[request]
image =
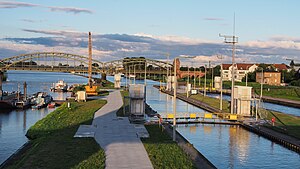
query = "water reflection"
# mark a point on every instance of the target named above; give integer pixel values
(233, 147)
(14, 124)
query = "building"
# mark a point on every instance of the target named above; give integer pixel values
(241, 70)
(270, 78)
(295, 66)
(281, 67)
(183, 74)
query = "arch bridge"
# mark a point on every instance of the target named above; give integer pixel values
(72, 63)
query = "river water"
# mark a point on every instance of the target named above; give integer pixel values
(224, 146)
(14, 124)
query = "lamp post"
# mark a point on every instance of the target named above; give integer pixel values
(221, 82)
(261, 83)
(204, 81)
(188, 82)
(175, 93)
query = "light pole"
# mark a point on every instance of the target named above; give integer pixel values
(175, 93)
(188, 82)
(204, 81)
(221, 82)
(261, 83)
(145, 73)
(247, 71)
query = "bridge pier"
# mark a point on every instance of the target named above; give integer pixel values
(103, 76)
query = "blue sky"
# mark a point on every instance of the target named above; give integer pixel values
(266, 29)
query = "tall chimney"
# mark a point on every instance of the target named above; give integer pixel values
(90, 60)
(25, 90)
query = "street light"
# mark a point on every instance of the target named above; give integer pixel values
(221, 83)
(175, 93)
(204, 80)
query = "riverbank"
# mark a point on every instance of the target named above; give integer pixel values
(285, 132)
(52, 144)
(281, 101)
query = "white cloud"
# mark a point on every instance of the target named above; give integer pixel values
(273, 44)
(15, 4)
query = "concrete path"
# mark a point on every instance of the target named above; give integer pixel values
(119, 138)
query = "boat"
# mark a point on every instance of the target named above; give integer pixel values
(41, 100)
(7, 100)
(60, 86)
(22, 104)
(51, 105)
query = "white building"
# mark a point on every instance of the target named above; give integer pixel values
(241, 70)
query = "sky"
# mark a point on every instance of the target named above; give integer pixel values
(267, 30)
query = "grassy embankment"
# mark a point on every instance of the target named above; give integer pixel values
(284, 92)
(162, 151)
(214, 102)
(287, 124)
(52, 144)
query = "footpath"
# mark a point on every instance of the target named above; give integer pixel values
(118, 137)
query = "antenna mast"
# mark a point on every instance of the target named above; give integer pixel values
(232, 40)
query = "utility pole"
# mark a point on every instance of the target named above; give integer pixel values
(232, 40)
(90, 60)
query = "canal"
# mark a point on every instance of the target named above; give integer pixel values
(225, 146)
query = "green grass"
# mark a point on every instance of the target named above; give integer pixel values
(285, 123)
(53, 145)
(120, 112)
(163, 152)
(108, 85)
(214, 102)
(284, 93)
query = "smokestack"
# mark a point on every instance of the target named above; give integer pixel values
(25, 90)
(90, 59)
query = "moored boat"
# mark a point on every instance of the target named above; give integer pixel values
(42, 100)
(60, 86)
(51, 105)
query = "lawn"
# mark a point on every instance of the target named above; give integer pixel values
(120, 112)
(52, 142)
(163, 152)
(285, 123)
(214, 102)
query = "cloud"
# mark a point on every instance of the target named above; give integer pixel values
(70, 10)
(31, 20)
(213, 19)
(108, 47)
(12, 4)
(56, 32)
(15, 4)
(284, 38)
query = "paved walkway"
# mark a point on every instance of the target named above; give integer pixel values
(119, 139)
